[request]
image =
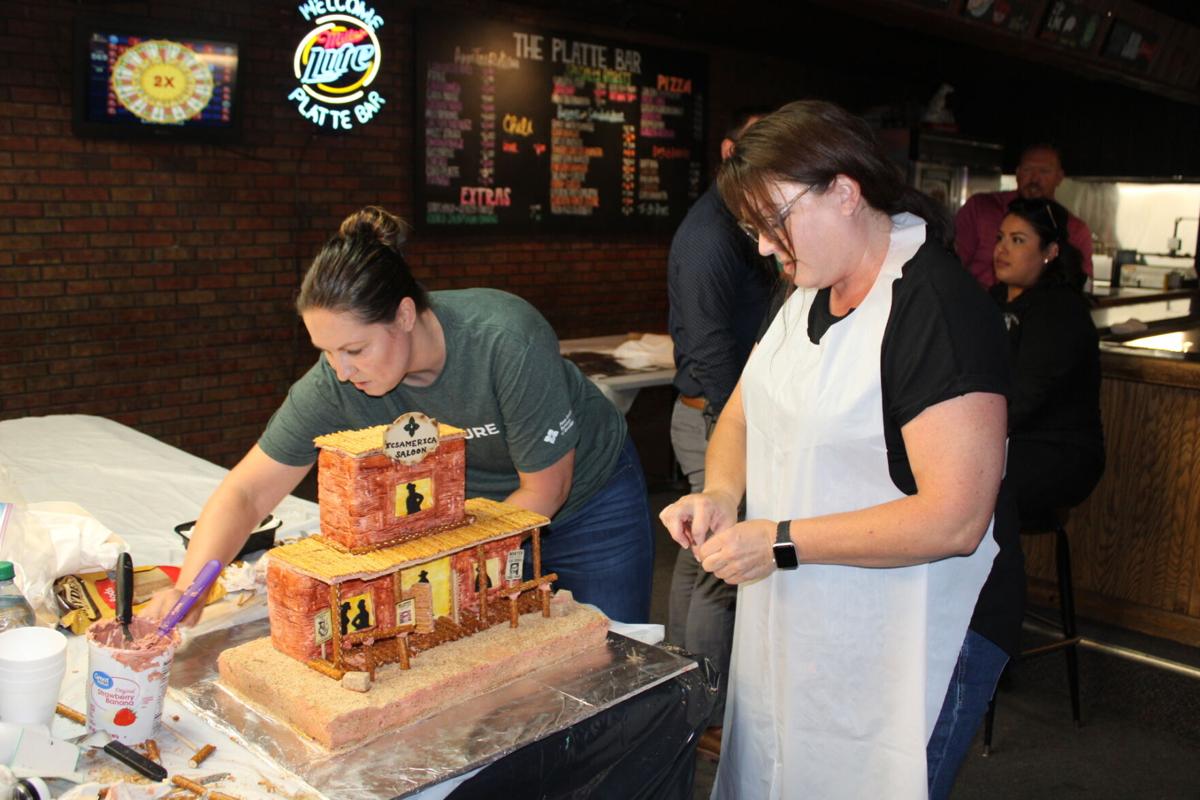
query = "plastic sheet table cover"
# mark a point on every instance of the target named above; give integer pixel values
(136, 486)
(617, 721)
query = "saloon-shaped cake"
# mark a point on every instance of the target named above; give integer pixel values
(402, 565)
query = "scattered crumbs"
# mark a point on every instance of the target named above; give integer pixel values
(270, 787)
(109, 775)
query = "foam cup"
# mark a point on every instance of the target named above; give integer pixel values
(32, 666)
(22, 648)
(34, 672)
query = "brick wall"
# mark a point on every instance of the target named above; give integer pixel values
(151, 282)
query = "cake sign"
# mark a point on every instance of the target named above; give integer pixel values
(406, 612)
(514, 562)
(410, 438)
(323, 626)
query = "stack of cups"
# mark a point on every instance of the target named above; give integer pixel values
(32, 664)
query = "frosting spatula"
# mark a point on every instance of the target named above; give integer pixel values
(125, 593)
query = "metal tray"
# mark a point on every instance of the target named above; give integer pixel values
(455, 741)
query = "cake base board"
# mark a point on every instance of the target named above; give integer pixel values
(338, 718)
(451, 744)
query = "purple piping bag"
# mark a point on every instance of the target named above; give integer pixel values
(200, 586)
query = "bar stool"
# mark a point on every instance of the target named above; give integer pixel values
(1051, 522)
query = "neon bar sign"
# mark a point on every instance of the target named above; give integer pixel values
(335, 62)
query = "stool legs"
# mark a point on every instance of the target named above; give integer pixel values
(1070, 636)
(1066, 601)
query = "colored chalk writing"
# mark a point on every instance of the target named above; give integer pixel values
(524, 129)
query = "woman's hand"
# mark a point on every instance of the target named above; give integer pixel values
(247, 494)
(744, 552)
(692, 518)
(161, 603)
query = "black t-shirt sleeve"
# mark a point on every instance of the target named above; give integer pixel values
(944, 338)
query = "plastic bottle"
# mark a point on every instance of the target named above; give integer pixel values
(14, 788)
(31, 789)
(15, 611)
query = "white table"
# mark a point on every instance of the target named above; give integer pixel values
(141, 488)
(619, 387)
(136, 486)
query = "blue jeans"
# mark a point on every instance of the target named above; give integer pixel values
(604, 552)
(972, 685)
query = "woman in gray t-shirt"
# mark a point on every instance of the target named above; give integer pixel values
(540, 435)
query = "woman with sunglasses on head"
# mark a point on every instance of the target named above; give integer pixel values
(867, 434)
(1056, 442)
(541, 436)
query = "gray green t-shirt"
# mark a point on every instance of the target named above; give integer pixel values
(522, 404)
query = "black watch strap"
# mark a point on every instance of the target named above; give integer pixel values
(785, 549)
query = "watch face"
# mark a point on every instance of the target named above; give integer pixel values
(785, 556)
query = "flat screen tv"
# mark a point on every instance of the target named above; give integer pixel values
(142, 78)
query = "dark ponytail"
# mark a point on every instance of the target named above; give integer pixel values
(361, 269)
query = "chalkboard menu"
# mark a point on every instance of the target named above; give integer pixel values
(524, 129)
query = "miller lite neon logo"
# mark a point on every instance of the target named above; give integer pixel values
(335, 62)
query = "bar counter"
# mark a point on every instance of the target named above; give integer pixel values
(1135, 543)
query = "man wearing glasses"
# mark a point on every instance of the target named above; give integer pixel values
(719, 288)
(978, 222)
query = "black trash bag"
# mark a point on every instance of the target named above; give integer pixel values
(640, 749)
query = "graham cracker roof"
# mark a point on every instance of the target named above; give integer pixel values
(493, 521)
(365, 441)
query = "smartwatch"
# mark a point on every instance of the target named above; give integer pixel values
(785, 548)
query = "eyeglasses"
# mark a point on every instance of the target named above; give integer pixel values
(780, 217)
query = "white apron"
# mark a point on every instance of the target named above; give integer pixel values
(838, 672)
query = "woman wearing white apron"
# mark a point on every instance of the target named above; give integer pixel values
(870, 448)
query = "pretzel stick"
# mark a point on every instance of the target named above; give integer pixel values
(70, 713)
(190, 785)
(204, 752)
(199, 788)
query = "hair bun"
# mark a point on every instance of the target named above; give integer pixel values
(375, 223)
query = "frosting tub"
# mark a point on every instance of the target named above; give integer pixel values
(127, 680)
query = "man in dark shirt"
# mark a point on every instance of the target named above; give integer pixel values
(718, 287)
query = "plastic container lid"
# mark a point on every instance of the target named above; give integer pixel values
(6, 571)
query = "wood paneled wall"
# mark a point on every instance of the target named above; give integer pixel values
(1135, 543)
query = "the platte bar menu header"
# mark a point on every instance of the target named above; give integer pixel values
(521, 129)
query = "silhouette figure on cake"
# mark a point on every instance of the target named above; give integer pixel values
(413, 501)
